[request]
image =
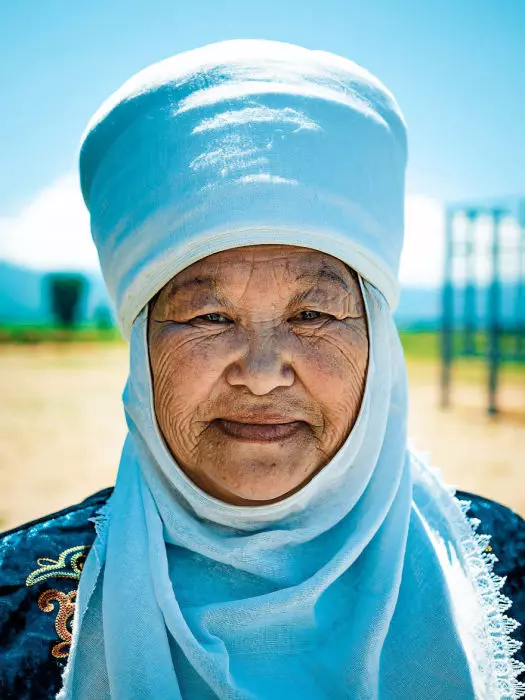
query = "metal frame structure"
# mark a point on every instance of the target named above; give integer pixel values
(483, 316)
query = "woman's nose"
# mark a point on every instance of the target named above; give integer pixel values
(262, 367)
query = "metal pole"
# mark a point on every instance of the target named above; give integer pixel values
(520, 296)
(494, 324)
(469, 300)
(447, 315)
(520, 301)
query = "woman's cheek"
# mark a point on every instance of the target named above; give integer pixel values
(195, 365)
(327, 358)
(333, 369)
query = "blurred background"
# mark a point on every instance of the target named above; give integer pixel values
(457, 70)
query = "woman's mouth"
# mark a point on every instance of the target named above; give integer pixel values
(258, 432)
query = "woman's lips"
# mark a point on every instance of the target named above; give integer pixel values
(258, 432)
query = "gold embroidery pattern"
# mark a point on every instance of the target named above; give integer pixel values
(66, 608)
(68, 565)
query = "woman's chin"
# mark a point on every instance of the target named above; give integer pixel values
(254, 485)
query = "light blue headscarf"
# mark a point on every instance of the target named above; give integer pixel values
(369, 583)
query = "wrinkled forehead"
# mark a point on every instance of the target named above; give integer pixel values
(265, 269)
(291, 261)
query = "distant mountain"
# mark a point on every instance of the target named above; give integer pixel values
(419, 308)
(21, 299)
(24, 301)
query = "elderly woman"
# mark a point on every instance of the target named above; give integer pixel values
(270, 534)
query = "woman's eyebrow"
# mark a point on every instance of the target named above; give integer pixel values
(202, 283)
(326, 274)
(316, 292)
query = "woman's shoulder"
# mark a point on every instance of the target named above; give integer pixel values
(40, 566)
(507, 531)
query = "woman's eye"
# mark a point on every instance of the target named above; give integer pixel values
(212, 318)
(310, 315)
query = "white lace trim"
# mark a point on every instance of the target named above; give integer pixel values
(480, 561)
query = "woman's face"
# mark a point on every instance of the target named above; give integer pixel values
(258, 358)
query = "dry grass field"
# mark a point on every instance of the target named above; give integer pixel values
(62, 427)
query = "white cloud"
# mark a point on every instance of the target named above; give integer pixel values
(52, 233)
(422, 259)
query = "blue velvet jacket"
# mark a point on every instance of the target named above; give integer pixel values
(41, 563)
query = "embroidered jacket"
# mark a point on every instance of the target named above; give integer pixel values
(41, 564)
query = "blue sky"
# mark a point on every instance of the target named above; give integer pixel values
(457, 68)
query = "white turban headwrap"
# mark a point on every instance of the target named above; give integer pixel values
(240, 143)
